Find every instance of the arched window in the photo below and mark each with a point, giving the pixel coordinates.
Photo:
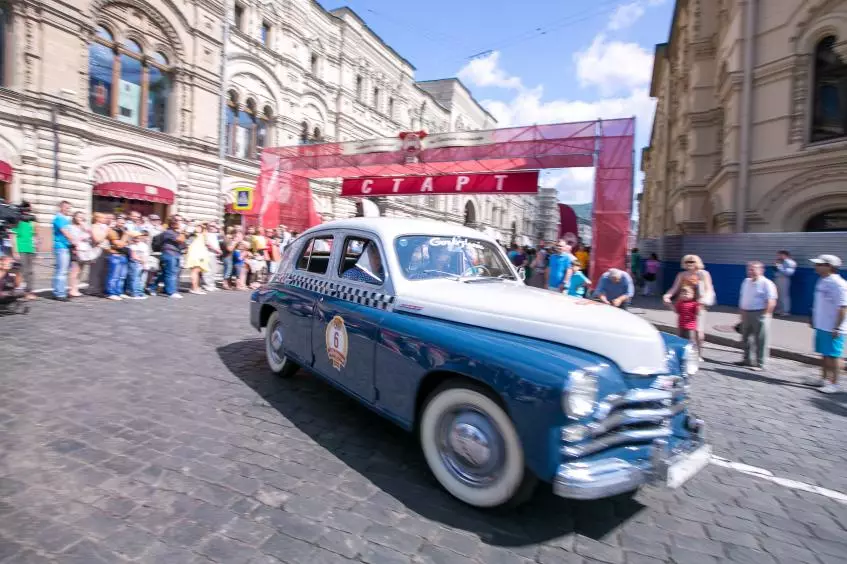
(833, 220)
(247, 129)
(359, 88)
(126, 83)
(829, 119)
(263, 130)
(316, 135)
(304, 132)
(391, 108)
(376, 99)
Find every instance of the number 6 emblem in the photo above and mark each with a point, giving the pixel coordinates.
(336, 342)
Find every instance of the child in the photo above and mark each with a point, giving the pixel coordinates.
(239, 255)
(139, 254)
(687, 309)
(579, 281)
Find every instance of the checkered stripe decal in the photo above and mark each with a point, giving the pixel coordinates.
(340, 290)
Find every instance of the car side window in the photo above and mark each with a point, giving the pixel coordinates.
(361, 261)
(316, 254)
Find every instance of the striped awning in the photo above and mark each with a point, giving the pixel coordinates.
(133, 182)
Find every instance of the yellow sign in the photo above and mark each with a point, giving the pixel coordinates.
(336, 342)
(243, 199)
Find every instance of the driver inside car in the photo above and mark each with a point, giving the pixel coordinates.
(368, 268)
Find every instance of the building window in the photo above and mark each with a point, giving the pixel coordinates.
(247, 129)
(316, 135)
(126, 83)
(834, 220)
(239, 17)
(829, 116)
(391, 108)
(6, 39)
(376, 99)
(359, 88)
(304, 133)
(266, 33)
(313, 64)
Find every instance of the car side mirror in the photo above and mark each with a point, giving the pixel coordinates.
(522, 273)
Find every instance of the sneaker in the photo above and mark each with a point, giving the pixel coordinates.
(830, 389)
(197, 292)
(816, 381)
(175, 296)
(140, 297)
(115, 298)
(125, 296)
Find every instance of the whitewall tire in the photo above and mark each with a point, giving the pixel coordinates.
(274, 350)
(472, 447)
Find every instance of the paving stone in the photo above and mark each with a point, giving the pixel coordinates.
(227, 551)
(216, 443)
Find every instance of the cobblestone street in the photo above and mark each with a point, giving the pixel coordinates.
(153, 432)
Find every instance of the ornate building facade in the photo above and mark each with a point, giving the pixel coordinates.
(750, 130)
(116, 104)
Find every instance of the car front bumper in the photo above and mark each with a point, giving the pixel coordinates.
(607, 477)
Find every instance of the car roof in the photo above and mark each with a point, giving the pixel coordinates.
(388, 228)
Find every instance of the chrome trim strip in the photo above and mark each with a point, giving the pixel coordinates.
(615, 439)
(629, 417)
(596, 480)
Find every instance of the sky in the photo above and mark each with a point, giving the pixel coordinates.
(534, 61)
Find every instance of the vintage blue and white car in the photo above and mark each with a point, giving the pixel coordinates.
(430, 325)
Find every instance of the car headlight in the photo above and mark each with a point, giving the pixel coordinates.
(580, 395)
(690, 360)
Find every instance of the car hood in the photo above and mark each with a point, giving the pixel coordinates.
(626, 339)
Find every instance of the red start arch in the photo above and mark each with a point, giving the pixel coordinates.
(499, 161)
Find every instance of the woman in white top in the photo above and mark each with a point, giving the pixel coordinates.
(695, 275)
(83, 252)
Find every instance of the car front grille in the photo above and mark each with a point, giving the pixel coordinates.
(639, 416)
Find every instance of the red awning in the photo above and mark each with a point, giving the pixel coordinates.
(133, 191)
(5, 172)
(133, 182)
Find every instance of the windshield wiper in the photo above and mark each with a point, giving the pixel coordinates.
(478, 278)
(450, 275)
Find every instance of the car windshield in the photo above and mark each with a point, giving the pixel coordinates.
(424, 257)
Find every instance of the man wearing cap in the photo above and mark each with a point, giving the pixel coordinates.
(829, 320)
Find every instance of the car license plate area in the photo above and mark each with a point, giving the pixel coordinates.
(685, 466)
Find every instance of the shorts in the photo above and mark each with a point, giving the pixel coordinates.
(827, 345)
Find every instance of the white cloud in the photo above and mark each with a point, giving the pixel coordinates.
(620, 72)
(486, 71)
(613, 66)
(626, 15)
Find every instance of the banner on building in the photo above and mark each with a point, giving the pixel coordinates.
(524, 182)
(568, 224)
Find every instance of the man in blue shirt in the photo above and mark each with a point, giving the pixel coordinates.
(559, 268)
(785, 267)
(62, 250)
(615, 288)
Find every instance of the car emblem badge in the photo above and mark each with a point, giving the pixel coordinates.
(336, 342)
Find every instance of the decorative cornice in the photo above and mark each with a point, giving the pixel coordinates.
(803, 181)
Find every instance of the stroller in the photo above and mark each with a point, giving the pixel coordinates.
(10, 295)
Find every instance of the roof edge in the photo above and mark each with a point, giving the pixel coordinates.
(339, 12)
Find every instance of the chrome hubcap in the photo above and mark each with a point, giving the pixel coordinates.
(471, 447)
(276, 344)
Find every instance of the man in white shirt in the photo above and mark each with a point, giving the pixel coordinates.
(756, 302)
(785, 267)
(829, 320)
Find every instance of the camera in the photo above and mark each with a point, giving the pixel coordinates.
(11, 215)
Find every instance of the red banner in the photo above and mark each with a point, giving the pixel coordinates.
(524, 182)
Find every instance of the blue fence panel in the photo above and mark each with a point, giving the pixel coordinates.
(725, 257)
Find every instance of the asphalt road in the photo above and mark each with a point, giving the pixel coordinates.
(152, 432)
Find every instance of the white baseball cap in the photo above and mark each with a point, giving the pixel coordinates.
(831, 260)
